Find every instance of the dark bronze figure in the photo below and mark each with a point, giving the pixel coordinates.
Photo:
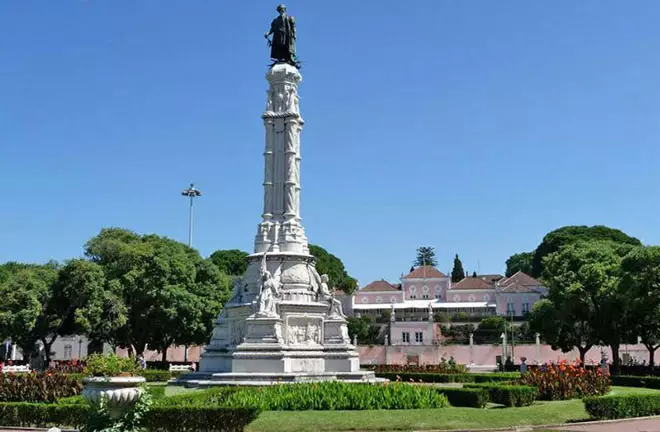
(283, 44)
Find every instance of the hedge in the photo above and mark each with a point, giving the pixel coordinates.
(159, 418)
(466, 397)
(450, 378)
(636, 381)
(152, 375)
(509, 395)
(616, 407)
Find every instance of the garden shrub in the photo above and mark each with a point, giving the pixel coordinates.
(111, 365)
(445, 367)
(615, 407)
(448, 378)
(567, 381)
(25, 414)
(338, 396)
(636, 381)
(466, 397)
(37, 387)
(508, 395)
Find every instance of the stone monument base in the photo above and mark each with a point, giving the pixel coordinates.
(203, 380)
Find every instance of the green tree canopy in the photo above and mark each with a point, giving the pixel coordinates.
(327, 263)
(457, 272)
(425, 256)
(170, 293)
(489, 330)
(519, 262)
(554, 240)
(641, 282)
(232, 262)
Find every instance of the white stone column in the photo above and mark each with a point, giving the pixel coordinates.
(268, 169)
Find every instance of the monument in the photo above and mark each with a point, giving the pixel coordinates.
(282, 323)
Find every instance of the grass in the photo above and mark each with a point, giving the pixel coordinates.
(447, 418)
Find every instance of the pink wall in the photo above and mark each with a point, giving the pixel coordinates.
(416, 288)
(373, 297)
(484, 354)
(518, 300)
(462, 296)
(427, 329)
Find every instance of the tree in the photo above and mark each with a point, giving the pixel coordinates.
(554, 240)
(367, 332)
(426, 256)
(457, 273)
(489, 330)
(519, 262)
(580, 312)
(474, 274)
(171, 295)
(231, 262)
(327, 263)
(641, 281)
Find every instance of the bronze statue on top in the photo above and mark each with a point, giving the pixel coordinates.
(283, 45)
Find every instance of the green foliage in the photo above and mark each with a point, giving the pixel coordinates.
(444, 367)
(615, 407)
(111, 365)
(509, 395)
(458, 333)
(338, 396)
(441, 317)
(368, 333)
(489, 330)
(466, 397)
(25, 414)
(170, 294)
(567, 381)
(449, 378)
(37, 387)
(327, 263)
(652, 382)
(519, 262)
(158, 375)
(554, 240)
(231, 262)
(457, 272)
(425, 257)
(99, 420)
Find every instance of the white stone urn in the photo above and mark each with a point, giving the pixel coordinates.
(121, 392)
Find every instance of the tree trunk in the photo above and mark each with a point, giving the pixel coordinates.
(164, 354)
(47, 347)
(583, 351)
(652, 350)
(616, 361)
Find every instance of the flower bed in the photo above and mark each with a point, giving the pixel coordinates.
(566, 381)
(337, 396)
(444, 367)
(449, 378)
(614, 407)
(37, 387)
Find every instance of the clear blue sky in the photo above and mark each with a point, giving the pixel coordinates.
(472, 126)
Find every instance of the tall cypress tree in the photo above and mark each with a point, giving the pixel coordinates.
(457, 272)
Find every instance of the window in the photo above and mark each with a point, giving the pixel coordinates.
(425, 296)
(406, 337)
(419, 337)
(457, 298)
(392, 299)
(525, 308)
(68, 351)
(365, 300)
(510, 310)
(438, 296)
(413, 296)
(486, 297)
(379, 299)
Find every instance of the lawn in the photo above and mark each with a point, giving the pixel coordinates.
(448, 418)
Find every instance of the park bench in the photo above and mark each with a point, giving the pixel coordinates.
(181, 368)
(16, 369)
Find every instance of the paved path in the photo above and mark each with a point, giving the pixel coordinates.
(645, 425)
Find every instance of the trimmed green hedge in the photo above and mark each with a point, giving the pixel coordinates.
(636, 381)
(450, 378)
(616, 407)
(509, 395)
(466, 397)
(159, 418)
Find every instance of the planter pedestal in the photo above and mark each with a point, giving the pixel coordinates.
(121, 392)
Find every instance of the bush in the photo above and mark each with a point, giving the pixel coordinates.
(159, 418)
(444, 367)
(466, 397)
(509, 395)
(157, 375)
(337, 396)
(111, 366)
(67, 366)
(615, 407)
(449, 378)
(37, 387)
(567, 381)
(636, 381)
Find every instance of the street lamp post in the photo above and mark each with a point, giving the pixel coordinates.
(191, 193)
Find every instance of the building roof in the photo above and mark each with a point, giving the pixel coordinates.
(492, 278)
(472, 283)
(519, 283)
(379, 286)
(425, 272)
(422, 304)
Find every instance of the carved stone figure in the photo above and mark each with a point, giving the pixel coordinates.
(270, 291)
(283, 44)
